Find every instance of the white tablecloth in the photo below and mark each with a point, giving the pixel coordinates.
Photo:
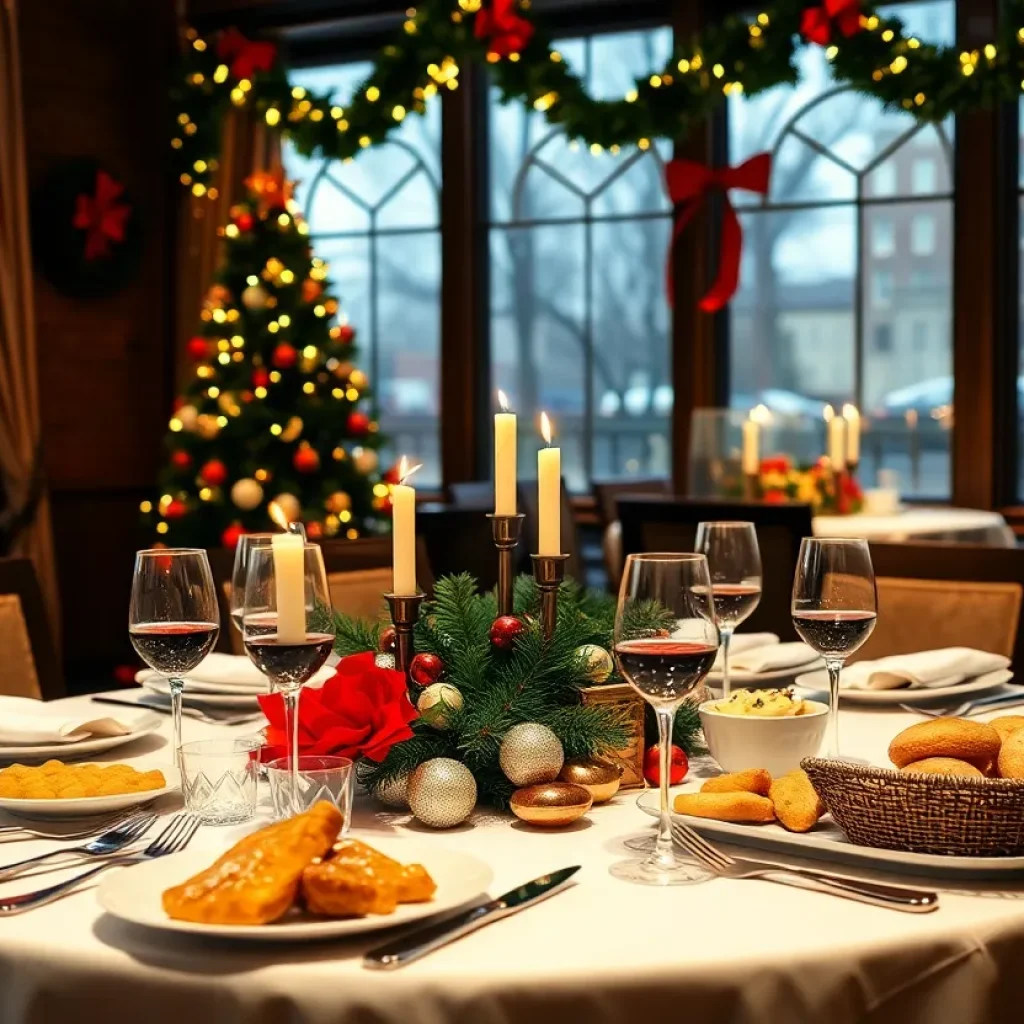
(965, 525)
(604, 951)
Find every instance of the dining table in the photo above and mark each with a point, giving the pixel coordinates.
(602, 951)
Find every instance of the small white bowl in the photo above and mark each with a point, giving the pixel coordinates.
(739, 742)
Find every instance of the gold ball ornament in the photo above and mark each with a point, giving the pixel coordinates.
(343, 370)
(394, 792)
(255, 298)
(292, 430)
(598, 662)
(358, 380)
(600, 778)
(187, 416)
(442, 792)
(207, 426)
(551, 804)
(289, 505)
(246, 494)
(530, 753)
(217, 297)
(437, 702)
(338, 502)
(365, 460)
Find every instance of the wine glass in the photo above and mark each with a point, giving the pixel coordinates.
(834, 608)
(173, 620)
(245, 544)
(664, 664)
(734, 562)
(288, 625)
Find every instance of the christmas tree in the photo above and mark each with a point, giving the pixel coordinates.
(274, 410)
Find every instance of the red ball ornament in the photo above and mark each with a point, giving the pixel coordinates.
(245, 221)
(392, 475)
(426, 669)
(652, 765)
(260, 377)
(229, 538)
(315, 530)
(198, 349)
(388, 640)
(285, 356)
(174, 509)
(504, 631)
(306, 460)
(346, 334)
(181, 460)
(358, 423)
(214, 473)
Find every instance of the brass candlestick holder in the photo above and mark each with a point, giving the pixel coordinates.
(751, 487)
(549, 572)
(505, 529)
(405, 610)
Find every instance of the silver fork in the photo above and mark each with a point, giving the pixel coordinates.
(893, 897)
(173, 839)
(20, 833)
(1003, 700)
(102, 846)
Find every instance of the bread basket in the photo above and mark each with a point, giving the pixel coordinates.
(939, 814)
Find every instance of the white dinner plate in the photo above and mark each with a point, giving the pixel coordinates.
(740, 675)
(145, 722)
(909, 695)
(87, 807)
(231, 701)
(238, 689)
(135, 895)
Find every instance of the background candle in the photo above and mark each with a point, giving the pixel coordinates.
(852, 416)
(504, 460)
(751, 446)
(403, 551)
(289, 553)
(836, 443)
(549, 494)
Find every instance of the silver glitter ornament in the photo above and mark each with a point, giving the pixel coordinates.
(531, 753)
(442, 792)
(394, 792)
(384, 660)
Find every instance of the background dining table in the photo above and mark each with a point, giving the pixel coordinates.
(603, 951)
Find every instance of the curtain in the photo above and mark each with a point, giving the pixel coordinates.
(21, 465)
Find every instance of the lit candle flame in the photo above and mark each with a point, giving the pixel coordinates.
(404, 472)
(828, 413)
(276, 513)
(851, 412)
(761, 414)
(502, 400)
(545, 427)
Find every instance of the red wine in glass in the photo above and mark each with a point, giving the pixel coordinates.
(734, 601)
(663, 669)
(834, 633)
(173, 648)
(289, 665)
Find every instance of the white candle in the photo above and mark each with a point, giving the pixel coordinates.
(504, 460)
(851, 414)
(751, 446)
(549, 494)
(289, 553)
(403, 551)
(836, 444)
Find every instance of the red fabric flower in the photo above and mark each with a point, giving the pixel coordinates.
(244, 56)
(775, 464)
(361, 711)
(818, 22)
(775, 497)
(502, 28)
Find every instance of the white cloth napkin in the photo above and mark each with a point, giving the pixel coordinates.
(773, 658)
(233, 671)
(946, 666)
(745, 642)
(26, 722)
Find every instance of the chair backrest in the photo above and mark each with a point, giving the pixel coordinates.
(670, 524)
(29, 665)
(476, 494)
(461, 540)
(919, 610)
(608, 493)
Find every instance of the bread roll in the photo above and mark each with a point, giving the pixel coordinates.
(943, 766)
(1007, 724)
(1011, 756)
(797, 804)
(753, 780)
(736, 807)
(974, 742)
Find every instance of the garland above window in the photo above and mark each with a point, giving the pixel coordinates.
(874, 55)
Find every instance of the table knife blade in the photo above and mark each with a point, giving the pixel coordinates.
(422, 941)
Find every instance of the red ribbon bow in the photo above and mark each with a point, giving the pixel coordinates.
(818, 22)
(244, 56)
(505, 31)
(688, 183)
(101, 217)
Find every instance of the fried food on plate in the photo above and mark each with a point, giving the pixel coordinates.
(797, 804)
(736, 807)
(943, 766)
(55, 780)
(753, 780)
(974, 742)
(256, 881)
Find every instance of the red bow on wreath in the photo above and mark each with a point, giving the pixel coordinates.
(818, 22)
(101, 216)
(688, 183)
(503, 29)
(243, 56)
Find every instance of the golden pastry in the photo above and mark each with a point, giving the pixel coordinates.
(753, 780)
(736, 807)
(1007, 724)
(959, 738)
(943, 766)
(1011, 756)
(797, 804)
(55, 780)
(256, 881)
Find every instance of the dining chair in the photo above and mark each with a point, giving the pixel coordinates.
(29, 666)
(460, 540)
(941, 594)
(670, 524)
(606, 496)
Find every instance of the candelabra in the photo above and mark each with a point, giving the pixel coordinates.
(505, 529)
(549, 572)
(405, 610)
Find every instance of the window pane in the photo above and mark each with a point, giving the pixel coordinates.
(376, 220)
(847, 269)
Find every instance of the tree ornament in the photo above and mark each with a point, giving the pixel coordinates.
(442, 792)
(501, 28)
(338, 502)
(530, 753)
(289, 505)
(388, 639)
(311, 290)
(346, 334)
(229, 538)
(187, 416)
(598, 661)
(314, 529)
(385, 660)
(426, 669)
(260, 377)
(306, 459)
(198, 348)
(358, 422)
(437, 702)
(285, 356)
(174, 509)
(599, 777)
(504, 631)
(292, 430)
(819, 20)
(365, 460)
(207, 426)
(652, 765)
(255, 297)
(343, 370)
(217, 297)
(393, 475)
(214, 473)
(245, 221)
(394, 792)
(359, 380)
(181, 460)
(551, 804)
(246, 494)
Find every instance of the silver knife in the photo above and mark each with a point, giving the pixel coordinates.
(433, 936)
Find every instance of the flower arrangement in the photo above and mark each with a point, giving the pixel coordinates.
(779, 481)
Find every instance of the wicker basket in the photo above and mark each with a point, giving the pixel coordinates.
(940, 814)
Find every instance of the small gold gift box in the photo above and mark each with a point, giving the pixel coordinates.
(629, 704)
